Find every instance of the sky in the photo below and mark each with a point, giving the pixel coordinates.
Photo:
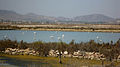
(63, 8)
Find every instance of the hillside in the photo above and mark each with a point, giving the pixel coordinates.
(91, 19)
(94, 18)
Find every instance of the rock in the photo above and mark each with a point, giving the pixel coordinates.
(13, 53)
(65, 52)
(7, 51)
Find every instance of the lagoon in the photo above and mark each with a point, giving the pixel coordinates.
(55, 36)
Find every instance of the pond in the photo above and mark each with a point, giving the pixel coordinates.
(55, 36)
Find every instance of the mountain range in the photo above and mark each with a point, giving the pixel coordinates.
(11, 15)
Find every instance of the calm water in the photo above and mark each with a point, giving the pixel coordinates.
(12, 62)
(55, 36)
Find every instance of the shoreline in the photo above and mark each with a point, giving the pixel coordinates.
(68, 30)
(65, 27)
(73, 30)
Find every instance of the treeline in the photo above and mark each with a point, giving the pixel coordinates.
(110, 50)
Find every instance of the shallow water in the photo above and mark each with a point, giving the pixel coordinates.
(12, 62)
(55, 36)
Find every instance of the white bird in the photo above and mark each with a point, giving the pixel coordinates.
(51, 37)
(5, 36)
(59, 38)
(34, 32)
(34, 38)
(97, 37)
(63, 36)
(100, 40)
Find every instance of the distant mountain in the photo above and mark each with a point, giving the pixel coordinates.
(93, 18)
(13, 16)
(35, 17)
(10, 15)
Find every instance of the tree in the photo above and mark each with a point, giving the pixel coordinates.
(22, 45)
(71, 47)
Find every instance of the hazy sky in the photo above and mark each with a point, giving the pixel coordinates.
(65, 8)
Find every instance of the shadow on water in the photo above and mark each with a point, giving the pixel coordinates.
(23, 63)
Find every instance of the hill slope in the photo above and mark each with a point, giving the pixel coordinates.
(11, 15)
(94, 18)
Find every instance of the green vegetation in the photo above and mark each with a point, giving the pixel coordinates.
(67, 62)
(110, 50)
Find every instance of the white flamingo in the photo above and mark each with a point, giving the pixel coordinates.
(34, 32)
(5, 36)
(59, 38)
(34, 36)
(97, 37)
(63, 35)
(100, 40)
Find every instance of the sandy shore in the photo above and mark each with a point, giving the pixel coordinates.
(66, 27)
(74, 30)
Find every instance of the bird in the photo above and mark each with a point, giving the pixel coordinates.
(34, 38)
(5, 36)
(59, 38)
(97, 37)
(34, 32)
(100, 40)
(51, 37)
(63, 35)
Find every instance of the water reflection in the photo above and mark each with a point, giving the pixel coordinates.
(12, 62)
